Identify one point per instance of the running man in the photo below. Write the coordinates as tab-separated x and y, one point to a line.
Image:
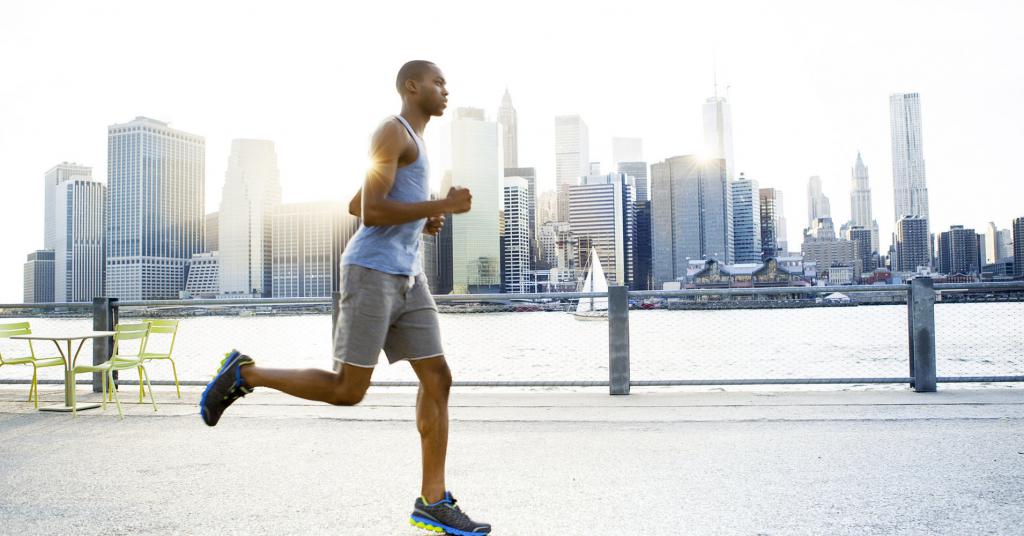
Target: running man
385	301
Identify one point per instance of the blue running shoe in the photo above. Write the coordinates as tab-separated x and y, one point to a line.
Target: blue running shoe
445	517
226	387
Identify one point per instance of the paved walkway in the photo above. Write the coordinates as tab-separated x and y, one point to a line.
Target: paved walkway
532	463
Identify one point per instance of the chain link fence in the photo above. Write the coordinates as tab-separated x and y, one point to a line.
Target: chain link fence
689	338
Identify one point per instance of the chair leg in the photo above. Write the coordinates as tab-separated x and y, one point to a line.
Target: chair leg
142	391
151	398
117	400
174	370
103	391
33	391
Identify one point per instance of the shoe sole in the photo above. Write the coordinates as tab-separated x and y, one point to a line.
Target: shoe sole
440	528
228	362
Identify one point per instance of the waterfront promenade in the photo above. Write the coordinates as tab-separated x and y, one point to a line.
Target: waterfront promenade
542	462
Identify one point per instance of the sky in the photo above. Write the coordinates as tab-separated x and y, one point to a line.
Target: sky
808	82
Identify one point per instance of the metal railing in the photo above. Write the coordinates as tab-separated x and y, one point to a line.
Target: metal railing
682	356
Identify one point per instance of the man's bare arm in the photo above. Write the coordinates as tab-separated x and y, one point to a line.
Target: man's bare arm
372	204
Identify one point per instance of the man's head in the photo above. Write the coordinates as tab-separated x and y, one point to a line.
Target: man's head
421	84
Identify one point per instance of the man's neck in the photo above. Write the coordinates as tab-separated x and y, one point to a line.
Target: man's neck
416	118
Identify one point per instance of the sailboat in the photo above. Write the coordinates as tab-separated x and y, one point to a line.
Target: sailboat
593	308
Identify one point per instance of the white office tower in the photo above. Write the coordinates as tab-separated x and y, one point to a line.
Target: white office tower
56	176
203	281
910	188
746	218
572	157
602	217
252	190
472	147
860	201
691	211
509	131
817	203
79	255
156	180
718	133
518	249
38	277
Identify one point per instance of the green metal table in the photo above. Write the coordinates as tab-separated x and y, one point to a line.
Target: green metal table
69	362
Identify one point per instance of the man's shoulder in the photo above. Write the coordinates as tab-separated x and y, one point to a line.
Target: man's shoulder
391	131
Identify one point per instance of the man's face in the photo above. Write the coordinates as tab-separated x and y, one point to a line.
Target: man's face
433	96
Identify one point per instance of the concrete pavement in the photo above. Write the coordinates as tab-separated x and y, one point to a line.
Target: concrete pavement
532	463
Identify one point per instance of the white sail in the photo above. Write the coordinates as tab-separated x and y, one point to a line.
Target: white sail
595	282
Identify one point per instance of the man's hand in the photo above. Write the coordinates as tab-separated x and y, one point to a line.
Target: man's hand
459	199
434	225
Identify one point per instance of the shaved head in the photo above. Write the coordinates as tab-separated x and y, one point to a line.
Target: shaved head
414	70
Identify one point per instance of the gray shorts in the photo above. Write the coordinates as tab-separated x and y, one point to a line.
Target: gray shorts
395	313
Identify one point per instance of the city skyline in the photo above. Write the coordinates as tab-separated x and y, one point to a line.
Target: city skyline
809	125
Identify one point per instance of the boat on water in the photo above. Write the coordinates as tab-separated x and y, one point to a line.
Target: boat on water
593	308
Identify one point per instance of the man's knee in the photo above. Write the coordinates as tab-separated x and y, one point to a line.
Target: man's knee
438	379
347	397
347	393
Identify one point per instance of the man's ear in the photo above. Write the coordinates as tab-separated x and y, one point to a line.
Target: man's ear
412	86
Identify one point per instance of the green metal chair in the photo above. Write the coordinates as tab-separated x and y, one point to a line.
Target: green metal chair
122	360
161	327
22	328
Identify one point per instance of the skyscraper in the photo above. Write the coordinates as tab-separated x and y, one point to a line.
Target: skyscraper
252	190
156	179
518	247
308	239
473	146
817	203
864	256
79	255
572	157
860	201
637	170
913	249
529	175
909	185
602	212
213	231
627	150
718	133
509	131
1018	246
773	223
746	218
691	211
56	176
958	251
644	269
38	277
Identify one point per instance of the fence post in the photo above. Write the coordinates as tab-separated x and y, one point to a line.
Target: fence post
618	340
921	303
104	318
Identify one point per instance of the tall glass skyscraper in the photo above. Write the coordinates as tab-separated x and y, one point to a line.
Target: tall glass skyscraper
308	239
910	188
691	210
252	190
79	258
818	205
473	148
156	180
572	157
718	133
746	218
773	224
